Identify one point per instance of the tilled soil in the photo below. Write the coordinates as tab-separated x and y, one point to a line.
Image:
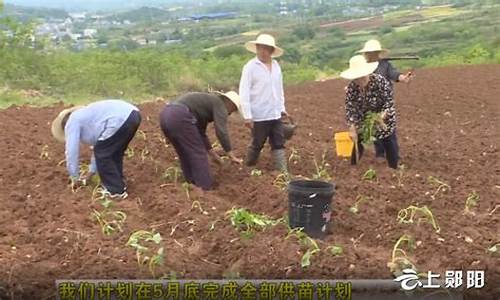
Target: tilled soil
447	128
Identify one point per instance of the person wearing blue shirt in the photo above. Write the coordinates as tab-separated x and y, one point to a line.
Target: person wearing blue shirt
108	126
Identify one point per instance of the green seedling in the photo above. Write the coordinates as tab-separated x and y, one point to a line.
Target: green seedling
321	169
172	174
130	152
294	156
494	250
142	134
144	153
370	175
399	258
256	173
106	203
371	123
360	199
305	261
143	254
110	221
400	175
471	202
335	250
441	185
44	154
197	204
305	241
282	180
215	145
407	215
248	222
186	186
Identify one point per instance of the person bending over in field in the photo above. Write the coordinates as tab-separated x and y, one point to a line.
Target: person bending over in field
373	52
184	122
369	92
108	126
263	101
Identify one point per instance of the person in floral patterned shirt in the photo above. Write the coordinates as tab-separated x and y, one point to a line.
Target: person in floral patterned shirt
370	92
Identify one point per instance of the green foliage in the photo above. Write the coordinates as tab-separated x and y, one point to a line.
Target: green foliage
369	127
228	51
249	222
304	32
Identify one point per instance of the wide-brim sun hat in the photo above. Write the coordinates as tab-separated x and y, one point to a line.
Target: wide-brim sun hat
373	46
57	128
359	67
234	98
264	39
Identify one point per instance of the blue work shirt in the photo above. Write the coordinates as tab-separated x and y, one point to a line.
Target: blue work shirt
95	122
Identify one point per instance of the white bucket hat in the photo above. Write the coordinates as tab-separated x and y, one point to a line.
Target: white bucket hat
373	46
57	127
358	67
264	39
233	97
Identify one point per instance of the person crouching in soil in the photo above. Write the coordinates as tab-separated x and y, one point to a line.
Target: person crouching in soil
369	92
184	123
108	126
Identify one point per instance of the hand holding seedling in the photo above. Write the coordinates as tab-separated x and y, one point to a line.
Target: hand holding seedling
234	159
406	78
216	157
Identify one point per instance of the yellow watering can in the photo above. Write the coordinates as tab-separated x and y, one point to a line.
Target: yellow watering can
343	144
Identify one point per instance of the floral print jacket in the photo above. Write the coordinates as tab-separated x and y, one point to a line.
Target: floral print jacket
377	97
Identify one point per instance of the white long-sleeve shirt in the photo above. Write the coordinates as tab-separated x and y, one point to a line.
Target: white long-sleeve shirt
261	91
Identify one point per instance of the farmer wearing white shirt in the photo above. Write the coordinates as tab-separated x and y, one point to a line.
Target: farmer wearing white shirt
263	100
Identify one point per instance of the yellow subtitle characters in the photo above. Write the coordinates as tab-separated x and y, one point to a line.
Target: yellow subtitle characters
173	291
157	291
86	290
286	290
192	291
343	290
305	291
210	291
124	290
67	291
324	291
143	291
104	291
229	291
248	291
267	290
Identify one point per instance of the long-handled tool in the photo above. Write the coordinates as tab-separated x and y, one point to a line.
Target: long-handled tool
356	151
410	57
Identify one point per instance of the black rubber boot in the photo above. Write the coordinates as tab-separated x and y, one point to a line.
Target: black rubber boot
280	161
252	157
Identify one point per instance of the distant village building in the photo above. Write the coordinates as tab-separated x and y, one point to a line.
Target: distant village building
283	8
78	16
89	33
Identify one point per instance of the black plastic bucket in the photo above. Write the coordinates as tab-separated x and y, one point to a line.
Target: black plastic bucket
309	206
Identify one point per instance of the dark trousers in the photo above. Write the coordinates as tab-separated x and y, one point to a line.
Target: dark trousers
180	127
390	147
379	147
268	129
109	154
